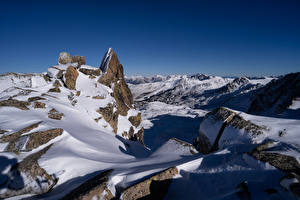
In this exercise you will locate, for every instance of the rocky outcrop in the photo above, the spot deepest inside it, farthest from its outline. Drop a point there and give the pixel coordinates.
(32, 99)
(39, 138)
(209, 141)
(78, 59)
(86, 71)
(110, 116)
(155, 187)
(55, 89)
(94, 188)
(113, 76)
(277, 95)
(54, 114)
(71, 77)
(65, 58)
(15, 103)
(135, 120)
(38, 181)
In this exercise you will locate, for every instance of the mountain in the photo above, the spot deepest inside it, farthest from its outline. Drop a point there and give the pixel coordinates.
(84, 132)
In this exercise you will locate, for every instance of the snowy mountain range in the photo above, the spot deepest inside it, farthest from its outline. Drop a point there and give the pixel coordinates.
(84, 132)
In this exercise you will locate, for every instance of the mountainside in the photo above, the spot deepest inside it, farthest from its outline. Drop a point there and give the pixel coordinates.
(84, 132)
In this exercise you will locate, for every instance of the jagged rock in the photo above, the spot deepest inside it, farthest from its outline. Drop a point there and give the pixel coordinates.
(31, 99)
(135, 120)
(78, 59)
(94, 72)
(56, 89)
(57, 84)
(54, 114)
(113, 74)
(202, 144)
(65, 58)
(155, 187)
(70, 78)
(93, 188)
(39, 105)
(27, 176)
(78, 93)
(110, 116)
(277, 95)
(14, 137)
(39, 138)
(123, 97)
(15, 103)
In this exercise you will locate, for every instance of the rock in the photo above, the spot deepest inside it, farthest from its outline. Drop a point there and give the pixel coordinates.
(94, 188)
(31, 99)
(70, 78)
(57, 84)
(98, 97)
(123, 97)
(243, 191)
(113, 74)
(155, 187)
(227, 118)
(39, 138)
(14, 137)
(39, 105)
(54, 114)
(15, 103)
(78, 93)
(135, 120)
(110, 116)
(79, 59)
(276, 96)
(86, 71)
(65, 58)
(56, 89)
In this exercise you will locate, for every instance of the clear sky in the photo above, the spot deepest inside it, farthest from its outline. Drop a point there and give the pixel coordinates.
(154, 37)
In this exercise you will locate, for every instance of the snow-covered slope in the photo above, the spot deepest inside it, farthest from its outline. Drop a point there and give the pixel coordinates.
(74, 132)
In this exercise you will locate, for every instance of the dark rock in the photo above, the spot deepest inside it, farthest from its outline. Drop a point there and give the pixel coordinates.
(242, 191)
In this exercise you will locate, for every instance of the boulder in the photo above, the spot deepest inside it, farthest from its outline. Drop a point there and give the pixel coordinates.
(91, 72)
(71, 77)
(15, 103)
(135, 120)
(65, 58)
(110, 116)
(79, 59)
(54, 114)
(39, 105)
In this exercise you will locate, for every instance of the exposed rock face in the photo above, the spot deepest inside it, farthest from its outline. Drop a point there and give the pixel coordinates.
(87, 71)
(277, 95)
(39, 105)
(135, 120)
(13, 138)
(227, 118)
(31, 99)
(56, 90)
(57, 84)
(94, 188)
(155, 187)
(54, 114)
(110, 116)
(15, 103)
(70, 78)
(79, 59)
(65, 58)
(39, 138)
(28, 169)
(113, 74)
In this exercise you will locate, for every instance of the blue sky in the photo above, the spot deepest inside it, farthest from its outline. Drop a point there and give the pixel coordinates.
(154, 37)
